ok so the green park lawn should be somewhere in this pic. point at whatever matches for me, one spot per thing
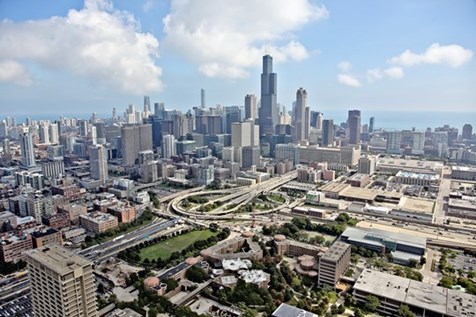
(165, 248)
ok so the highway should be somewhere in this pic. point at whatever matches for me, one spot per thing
(237, 196)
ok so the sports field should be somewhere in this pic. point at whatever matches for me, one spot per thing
(165, 248)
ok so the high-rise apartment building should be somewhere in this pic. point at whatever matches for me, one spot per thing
(98, 163)
(27, 151)
(61, 282)
(54, 133)
(268, 111)
(467, 133)
(394, 141)
(418, 143)
(327, 132)
(251, 111)
(353, 124)
(168, 146)
(44, 133)
(135, 138)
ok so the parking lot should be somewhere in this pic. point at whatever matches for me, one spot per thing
(464, 262)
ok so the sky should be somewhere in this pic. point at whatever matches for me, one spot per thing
(75, 57)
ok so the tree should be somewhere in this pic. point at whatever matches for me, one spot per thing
(171, 284)
(372, 303)
(358, 313)
(404, 311)
(196, 274)
(447, 282)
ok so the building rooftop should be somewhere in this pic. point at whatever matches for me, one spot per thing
(418, 205)
(336, 251)
(463, 168)
(409, 164)
(285, 310)
(58, 259)
(43, 233)
(254, 276)
(359, 193)
(369, 235)
(424, 176)
(235, 265)
(433, 298)
(98, 216)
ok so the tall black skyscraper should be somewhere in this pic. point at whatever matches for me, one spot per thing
(327, 132)
(268, 112)
(372, 124)
(353, 124)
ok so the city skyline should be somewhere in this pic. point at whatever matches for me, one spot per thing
(397, 66)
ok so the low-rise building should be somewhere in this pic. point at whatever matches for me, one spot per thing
(285, 310)
(403, 247)
(295, 248)
(423, 299)
(74, 211)
(12, 247)
(58, 221)
(464, 173)
(98, 222)
(237, 248)
(46, 236)
(124, 213)
(417, 178)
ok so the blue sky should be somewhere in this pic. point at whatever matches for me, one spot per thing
(84, 56)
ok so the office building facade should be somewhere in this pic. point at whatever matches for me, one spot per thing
(62, 283)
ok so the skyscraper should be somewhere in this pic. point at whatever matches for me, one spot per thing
(353, 124)
(44, 133)
(250, 107)
(467, 133)
(268, 112)
(316, 120)
(98, 163)
(327, 132)
(418, 143)
(168, 146)
(371, 124)
(135, 138)
(61, 283)
(202, 98)
(250, 156)
(54, 133)
(232, 115)
(300, 115)
(394, 141)
(27, 151)
(244, 134)
(147, 104)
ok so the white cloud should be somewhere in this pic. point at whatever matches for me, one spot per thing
(453, 55)
(391, 72)
(348, 80)
(394, 72)
(97, 42)
(148, 6)
(225, 38)
(13, 72)
(345, 77)
(345, 66)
